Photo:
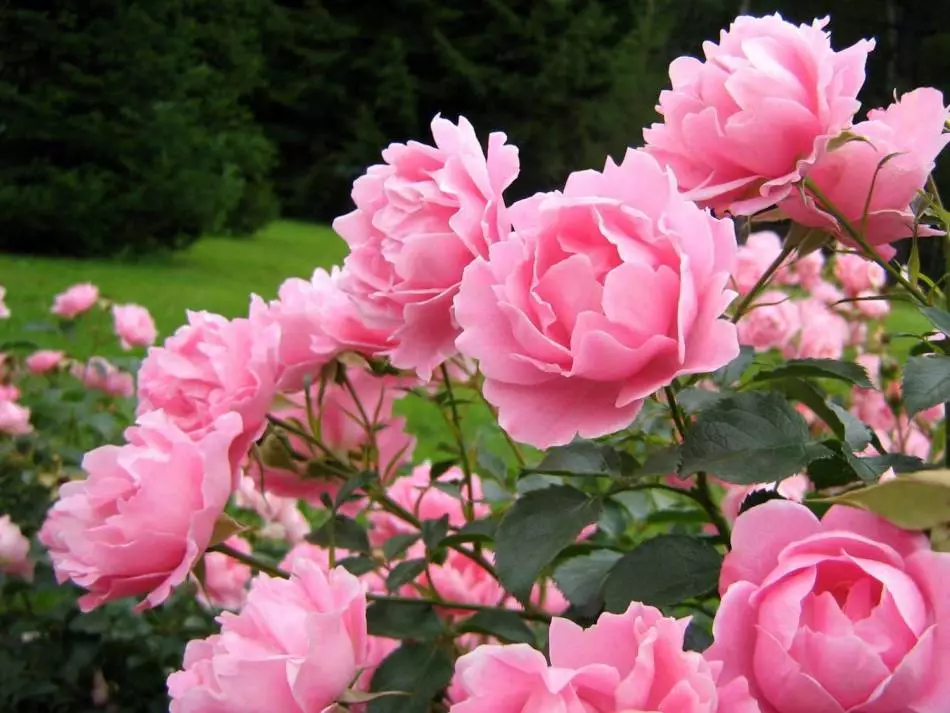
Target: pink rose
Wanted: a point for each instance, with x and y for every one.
(772, 323)
(624, 663)
(282, 517)
(4, 310)
(740, 128)
(100, 374)
(14, 419)
(417, 494)
(9, 392)
(872, 365)
(373, 581)
(209, 367)
(824, 333)
(458, 579)
(858, 274)
(44, 360)
(295, 647)
(911, 440)
(224, 577)
(342, 431)
(754, 257)
(14, 550)
(827, 294)
(134, 326)
(806, 270)
(792, 488)
(871, 306)
(420, 219)
(604, 294)
(317, 321)
(911, 128)
(872, 408)
(931, 416)
(145, 513)
(846, 614)
(75, 300)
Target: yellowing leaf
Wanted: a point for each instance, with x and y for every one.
(914, 501)
(224, 527)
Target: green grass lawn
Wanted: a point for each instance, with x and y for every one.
(215, 274)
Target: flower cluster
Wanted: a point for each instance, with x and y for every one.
(279, 440)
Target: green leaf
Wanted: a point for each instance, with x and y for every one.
(434, 531)
(475, 531)
(854, 432)
(358, 565)
(440, 467)
(506, 625)
(224, 527)
(731, 372)
(845, 371)
(841, 422)
(662, 462)
(581, 579)
(697, 638)
(582, 457)
(342, 532)
(274, 453)
(535, 529)
(663, 570)
(749, 438)
(914, 501)
(421, 670)
(354, 483)
(404, 572)
(403, 620)
(490, 464)
(938, 318)
(926, 382)
(806, 240)
(695, 400)
(397, 544)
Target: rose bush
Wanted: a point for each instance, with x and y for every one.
(676, 451)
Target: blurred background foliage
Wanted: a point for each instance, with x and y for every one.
(127, 128)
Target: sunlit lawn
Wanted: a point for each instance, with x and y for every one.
(215, 274)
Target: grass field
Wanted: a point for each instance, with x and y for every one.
(216, 274)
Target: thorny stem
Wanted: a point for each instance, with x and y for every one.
(762, 282)
(859, 238)
(675, 412)
(274, 571)
(701, 495)
(367, 424)
(468, 504)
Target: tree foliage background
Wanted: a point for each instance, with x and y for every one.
(129, 127)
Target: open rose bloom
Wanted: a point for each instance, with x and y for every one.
(145, 512)
(604, 294)
(874, 178)
(740, 128)
(76, 300)
(846, 613)
(628, 662)
(420, 219)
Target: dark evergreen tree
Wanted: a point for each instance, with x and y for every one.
(569, 80)
(120, 126)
